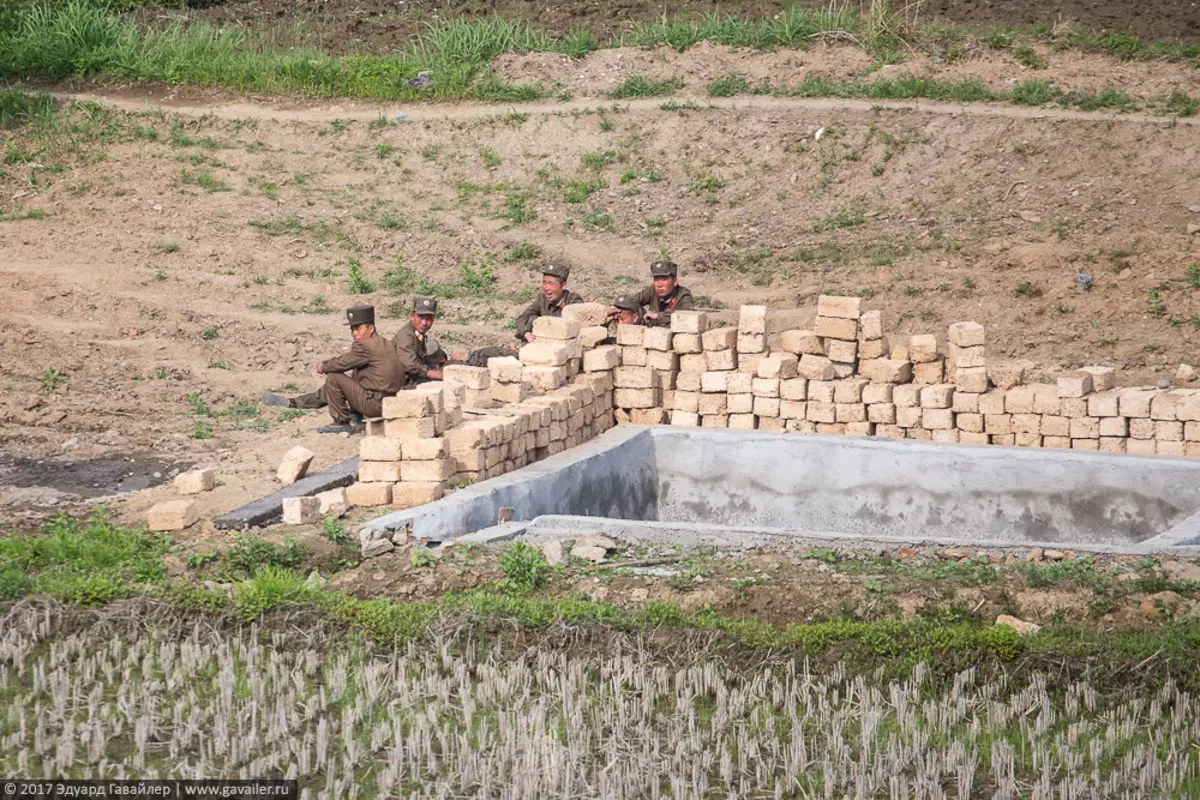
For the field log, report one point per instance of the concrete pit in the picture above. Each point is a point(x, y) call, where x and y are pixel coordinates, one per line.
point(695, 485)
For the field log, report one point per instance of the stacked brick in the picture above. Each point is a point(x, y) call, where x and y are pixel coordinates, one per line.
point(555, 358)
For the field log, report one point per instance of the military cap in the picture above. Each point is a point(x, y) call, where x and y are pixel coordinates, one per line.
point(557, 271)
point(360, 315)
point(663, 269)
point(628, 302)
point(425, 306)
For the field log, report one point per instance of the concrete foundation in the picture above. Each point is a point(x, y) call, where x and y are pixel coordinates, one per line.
point(707, 485)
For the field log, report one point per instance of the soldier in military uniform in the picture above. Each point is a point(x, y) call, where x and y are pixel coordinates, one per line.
point(664, 296)
point(625, 310)
point(549, 303)
point(377, 372)
point(421, 359)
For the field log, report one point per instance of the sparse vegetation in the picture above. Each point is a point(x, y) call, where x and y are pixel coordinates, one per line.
point(359, 283)
point(642, 86)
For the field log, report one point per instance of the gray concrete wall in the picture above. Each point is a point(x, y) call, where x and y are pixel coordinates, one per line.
point(610, 476)
point(879, 487)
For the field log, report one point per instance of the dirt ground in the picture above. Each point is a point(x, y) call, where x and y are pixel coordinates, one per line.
point(167, 266)
point(385, 25)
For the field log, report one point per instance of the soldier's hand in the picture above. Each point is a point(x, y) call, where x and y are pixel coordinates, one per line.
point(651, 315)
point(320, 367)
point(433, 374)
point(529, 337)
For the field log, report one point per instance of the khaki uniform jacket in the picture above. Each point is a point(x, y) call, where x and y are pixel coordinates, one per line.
point(541, 307)
point(410, 348)
point(377, 369)
point(679, 300)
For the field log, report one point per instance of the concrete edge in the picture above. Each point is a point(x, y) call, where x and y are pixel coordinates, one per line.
point(701, 534)
point(409, 517)
point(1182, 534)
point(270, 508)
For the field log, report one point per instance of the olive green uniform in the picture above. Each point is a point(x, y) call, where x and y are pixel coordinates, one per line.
point(377, 374)
point(679, 300)
point(410, 348)
point(542, 307)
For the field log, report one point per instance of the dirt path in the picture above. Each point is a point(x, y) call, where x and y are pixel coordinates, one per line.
point(323, 111)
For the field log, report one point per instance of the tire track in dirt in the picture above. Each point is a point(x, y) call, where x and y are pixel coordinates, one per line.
point(319, 112)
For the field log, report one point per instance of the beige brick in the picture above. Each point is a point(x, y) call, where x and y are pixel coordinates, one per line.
point(478, 399)
point(510, 392)
point(1165, 448)
point(1192, 449)
point(469, 377)
point(966, 334)
point(969, 422)
point(380, 448)
point(1189, 409)
point(723, 360)
point(1104, 404)
point(685, 419)
point(740, 383)
point(635, 378)
point(1019, 400)
point(687, 343)
point(884, 413)
point(963, 357)
point(294, 465)
point(1168, 431)
point(889, 431)
point(815, 368)
point(794, 389)
point(833, 328)
point(965, 402)
point(1085, 444)
point(860, 429)
point(1085, 428)
point(922, 349)
point(602, 358)
point(1141, 447)
point(1077, 385)
point(840, 307)
point(712, 404)
point(850, 412)
point(765, 387)
point(752, 319)
point(1141, 428)
point(545, 354)
point(691, 382)
point(636, 398)
point(937, 396)
point(693, 363)
point(1165, 405)
point(504, 369)
point(765, 406)
point(633, 356)
point(779, 365)
point(1191, 432)
point(424, 428)
point(631, 335)
point(410, 494)
point(196, 481)
point(751, 343)
point(793, 409)
point(592, 336)
point(714, 382)
point(657, 339)
point(802, 342)
point(296, 511)
point(1103, 378)
point(906, 417)
point(437, 469)
point(898, 344)
point(1006, 376)
point(1136, 403)
point(822, 391)
point(662, 360)
point(365, 495)
point(971, 379)
point(715, 421)
point(743, 421)
point(748, 362)
point(920, 434)
point(740, 403)
point(719, 339)
point(425, 449)
point(1072, 407)
point(870, 349)
point(379, 471)
point(689, 322)
point(1004, 439)
point(1057, 442)
point(831, 428)
point(877, 392)
point(1054, 425)
point(930, 372)
point(545, 379)
point(841, 352)
point(821, 412)
point(408, 405)
point(1046, 400)
point(870, 326)
point(1112, 444)
point(883, 370)
point(1027, 423)
point(849, 390)
point(945, 435)
point(1114, 426)
point(1028, 439)
point(997, 424)
point(177, 514)
point(907, 395)
point(937, 418)
point(965, 437)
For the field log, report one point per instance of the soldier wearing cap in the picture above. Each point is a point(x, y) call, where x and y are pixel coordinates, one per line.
point(549, 303)
point(664, 296)
point(420, 356)
point(625, 310)
point(376, 369)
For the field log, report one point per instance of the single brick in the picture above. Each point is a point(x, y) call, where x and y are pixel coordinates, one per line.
point(965, 437)
point(379, 471)
point(1112, 444)
point(714, 382)
point(908, 417)
point(1168, 431)
point(802, 342)
point(752, 319)
point(510, 392)
point(1054, 425)
point(602, 358)
point(930, 372)
point(971, 379)
point(437, 469)
point(408, 405)
point(967, 356)
point(294, 465)
point(1085, 444)
point(592, 336)
point(369, 494)
point(426, 449)
point(411, 494)
point(751, 343)
point(1006, 376)
point(765, 387)
point(972, 423)
point(790, 409)
point(379, 448)
point(966, 334)
point(585, 315)
point(881, 413)
point(1019, 400)
point(636, 398)
point(635, 378)
point(687, 343)
point(657, 339)
point(726, 360)
point(686, 401)
point(171, 515)
point(940, 396)
point(545, 354)
point(850, 412)
point(694, 363)
point(334, 501)
point(685, 419)
point(1114, 426)
point(748, 362)
point(555, 328)
point(877, 393)
point(742, 421)
point(822, 412)
point(634, 356)
point(712, 404)
point(1057, 442)
point(1103, 378)
point(301, 510)
point(1104, 404)
point(841, 307)
point(196, 481)
point(693, 322)
point(1027, 423)
point(740, 403)
point(469, 377)
point(833, 328)
point(1072, 407)
point(719, 339)
point(907, 395)
point(870, 348)
point(424, 428)
point(841, 352)
point(886, 370)
point(922, 349)
point(997, 424)
point(1085, 428)
point(933, 419)
point(504, 369)
point(870, 326)
point(1078, 385)
point(765, 406)
point(965, 402)
point(715, 421)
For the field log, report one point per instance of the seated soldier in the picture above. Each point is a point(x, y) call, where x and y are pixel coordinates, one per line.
point(377, 372)
point(665, 296)
point(625, 310)
point(549, 303)
point(411, 343)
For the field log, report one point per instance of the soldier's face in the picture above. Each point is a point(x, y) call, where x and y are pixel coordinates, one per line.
point(553, 288)
point(664, 286)
point(422, 322)
point(360, 332)
point(626, 317)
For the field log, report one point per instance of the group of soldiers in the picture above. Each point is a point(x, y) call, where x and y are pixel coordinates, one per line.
point(357, 381)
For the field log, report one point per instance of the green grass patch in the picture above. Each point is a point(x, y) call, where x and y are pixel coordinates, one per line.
point(643, 86)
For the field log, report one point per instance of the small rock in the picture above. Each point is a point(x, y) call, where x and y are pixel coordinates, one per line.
point(552, 551)
point(1164, 384)
point(1193, 228)
point(589, 553)
point(377, 547)
point(596, 540)
point(368, 535)
point(639, 596)
point(333, 501)
point(69, 443)
point(1019, 625)
point(955, 554)
point(1181, 571)
point(906, 552)
point(1036, 555)
point(196, 481)
point(1155, 604)
point(1194, 209)
point(1185, 373)
point(1029, 216)
point(294, 465)
point(314, 580)
point(1053, 555)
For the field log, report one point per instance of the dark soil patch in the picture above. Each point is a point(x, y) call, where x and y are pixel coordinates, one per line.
point(381, 26)
point(95, 478)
